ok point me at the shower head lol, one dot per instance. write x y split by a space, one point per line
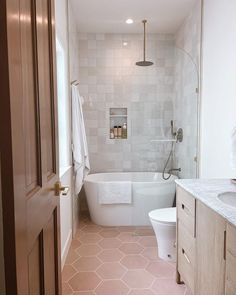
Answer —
144 62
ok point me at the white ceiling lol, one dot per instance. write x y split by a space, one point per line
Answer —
108 16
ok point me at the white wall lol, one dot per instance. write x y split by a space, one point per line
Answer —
65 164
218 114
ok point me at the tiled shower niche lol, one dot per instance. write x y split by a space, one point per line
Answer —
118 118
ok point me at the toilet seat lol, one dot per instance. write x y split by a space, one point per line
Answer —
165 215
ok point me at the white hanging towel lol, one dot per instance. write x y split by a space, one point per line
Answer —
115 192
79 141
233 149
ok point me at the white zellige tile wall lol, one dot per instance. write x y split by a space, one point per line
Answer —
109 77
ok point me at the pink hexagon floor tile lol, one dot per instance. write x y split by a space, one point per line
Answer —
91 228
71 257
109 243
131 248
84 281
88 250
168 286
75 244
150 253
128 237
114 287
110 255
126 228
83 293
90 238
68 272
66 289
134 262
161 269
143 292
87 264
138 279
145 231
111 270
148 241
109 233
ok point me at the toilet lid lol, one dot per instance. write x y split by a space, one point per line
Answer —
166 215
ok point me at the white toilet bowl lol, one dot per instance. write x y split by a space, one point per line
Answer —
164 225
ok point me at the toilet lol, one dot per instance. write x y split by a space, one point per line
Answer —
164 225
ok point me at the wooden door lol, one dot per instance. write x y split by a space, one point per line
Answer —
29 148
210 259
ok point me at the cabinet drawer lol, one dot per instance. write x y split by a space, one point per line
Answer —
229 289
231 239
186 256
186 206
231 269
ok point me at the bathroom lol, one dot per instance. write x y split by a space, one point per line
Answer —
119 156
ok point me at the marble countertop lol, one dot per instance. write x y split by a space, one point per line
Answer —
207 190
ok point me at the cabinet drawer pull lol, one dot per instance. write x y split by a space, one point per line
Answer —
183 206
185 256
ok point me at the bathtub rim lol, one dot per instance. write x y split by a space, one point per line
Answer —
159 180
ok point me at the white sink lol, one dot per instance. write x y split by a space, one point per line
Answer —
228 198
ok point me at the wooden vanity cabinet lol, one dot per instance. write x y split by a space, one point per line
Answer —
186 210
210 251
230 277
206 263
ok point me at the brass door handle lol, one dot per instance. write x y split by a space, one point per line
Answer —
58 188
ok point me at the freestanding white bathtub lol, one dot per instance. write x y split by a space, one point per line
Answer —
149 192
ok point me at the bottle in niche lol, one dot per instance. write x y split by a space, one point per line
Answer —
115 130
124 131
119 132
112 136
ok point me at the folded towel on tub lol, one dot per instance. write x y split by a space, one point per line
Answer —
116 192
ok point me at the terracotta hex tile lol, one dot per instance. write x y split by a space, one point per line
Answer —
84 281
128 237
151 253
87 264
90 238
138 279
148 241
134 262
88 250
114 287
91 228
168 286
145 232
75 244
161 269
66 289
68 272
83 293
109 233
79 234
131 248
143 292
110 255
126 228
111 270
109 243
71 257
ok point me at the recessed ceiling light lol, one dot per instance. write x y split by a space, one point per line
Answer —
129 21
